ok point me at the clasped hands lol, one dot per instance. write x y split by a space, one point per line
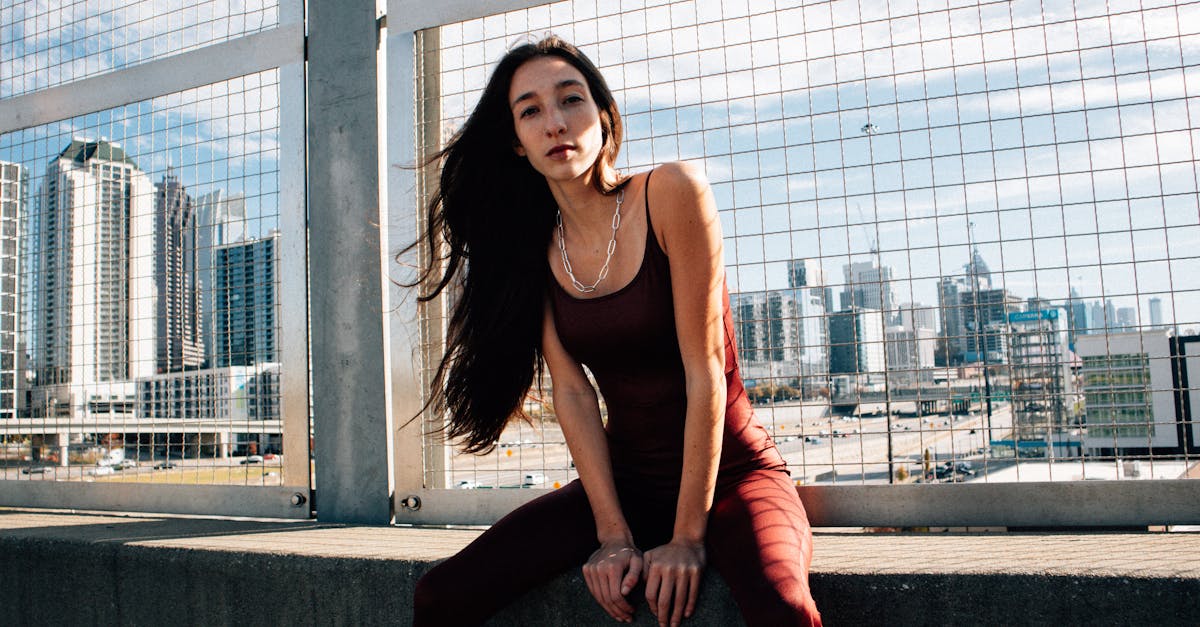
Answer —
672 573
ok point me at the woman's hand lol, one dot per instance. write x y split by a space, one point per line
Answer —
673 573
611 573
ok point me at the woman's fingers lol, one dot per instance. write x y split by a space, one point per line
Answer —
665 592
605 574
632 575
613 579
693 592
682 582
653 581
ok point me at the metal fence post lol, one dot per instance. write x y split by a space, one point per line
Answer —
351 422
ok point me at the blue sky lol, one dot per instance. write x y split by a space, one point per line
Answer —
1066 136
994 115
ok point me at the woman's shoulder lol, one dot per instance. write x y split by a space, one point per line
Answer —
678 176
678 191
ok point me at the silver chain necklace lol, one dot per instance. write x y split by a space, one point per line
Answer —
612 247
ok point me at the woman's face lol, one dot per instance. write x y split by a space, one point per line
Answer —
556 120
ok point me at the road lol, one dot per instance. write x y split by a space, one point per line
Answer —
857 457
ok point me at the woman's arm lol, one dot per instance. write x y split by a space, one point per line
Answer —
686 214
613 570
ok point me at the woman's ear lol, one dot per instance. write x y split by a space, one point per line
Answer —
518 148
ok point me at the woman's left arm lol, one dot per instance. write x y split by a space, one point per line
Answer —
686 214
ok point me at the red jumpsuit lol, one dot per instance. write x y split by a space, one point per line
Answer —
758 535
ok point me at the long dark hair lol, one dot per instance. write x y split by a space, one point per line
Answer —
496 215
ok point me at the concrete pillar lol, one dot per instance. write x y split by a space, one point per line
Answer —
223 443
351 422
63 440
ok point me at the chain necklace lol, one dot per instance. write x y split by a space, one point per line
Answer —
612 247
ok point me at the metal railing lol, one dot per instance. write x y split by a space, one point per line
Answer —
959 240
922 207
154 340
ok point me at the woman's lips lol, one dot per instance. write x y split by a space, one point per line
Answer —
559 151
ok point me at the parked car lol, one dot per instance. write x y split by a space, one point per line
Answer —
467 484
252 459
125 464
101 470
34 470
164 465
533 479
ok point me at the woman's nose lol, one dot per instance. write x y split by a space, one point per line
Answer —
556 124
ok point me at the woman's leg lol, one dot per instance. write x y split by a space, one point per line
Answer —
759 540
524 549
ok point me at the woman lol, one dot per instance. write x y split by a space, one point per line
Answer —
574 264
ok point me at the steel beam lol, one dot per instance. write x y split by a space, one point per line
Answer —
351 427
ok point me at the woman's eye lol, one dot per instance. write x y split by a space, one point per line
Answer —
573 98
528 112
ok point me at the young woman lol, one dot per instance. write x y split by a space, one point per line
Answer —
561 258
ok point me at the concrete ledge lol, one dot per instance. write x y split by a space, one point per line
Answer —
61 569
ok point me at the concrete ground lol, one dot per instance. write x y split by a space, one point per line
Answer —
75 568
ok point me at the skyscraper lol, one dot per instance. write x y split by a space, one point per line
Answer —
93 256
950 290
1156 319
856 342
221 220
246 303
869 286
781 333
178 338
13 193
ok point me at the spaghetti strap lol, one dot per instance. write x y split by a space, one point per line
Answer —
646 192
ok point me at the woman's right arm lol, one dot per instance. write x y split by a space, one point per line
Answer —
613 570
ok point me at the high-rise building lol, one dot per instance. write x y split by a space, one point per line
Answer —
178 338
856 343
985 322
221 220
1156 319
1039 370
917 316
246 302
910 354
1096 317
1127 319
869 286
1077 316
14 184
950 291
781 333
1110 316
93 255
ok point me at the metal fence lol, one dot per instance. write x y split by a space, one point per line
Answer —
959 242
154 325
957 236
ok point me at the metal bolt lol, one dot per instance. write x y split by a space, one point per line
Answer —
299 499
411 502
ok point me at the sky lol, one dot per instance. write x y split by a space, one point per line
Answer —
1024 130
1012 126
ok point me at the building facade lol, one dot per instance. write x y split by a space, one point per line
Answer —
1040 374
177 316
246 303
94 303
14 182
221 220
1129 392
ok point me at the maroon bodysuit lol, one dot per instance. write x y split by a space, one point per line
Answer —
627 339
758 536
